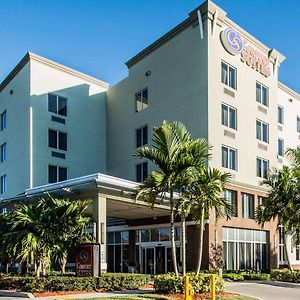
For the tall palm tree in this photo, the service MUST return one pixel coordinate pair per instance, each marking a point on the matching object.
(169, 154)
(282, 204)
(203, 195)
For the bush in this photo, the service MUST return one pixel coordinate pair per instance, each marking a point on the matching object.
(285, 275)
(233, 276)
(170, 284)
(109, 281)
(254, 276)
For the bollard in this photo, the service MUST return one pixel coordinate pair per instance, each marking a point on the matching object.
(187, 288)
(212, 287)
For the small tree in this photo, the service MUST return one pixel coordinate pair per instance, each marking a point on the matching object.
(282, 204)
(203, 196)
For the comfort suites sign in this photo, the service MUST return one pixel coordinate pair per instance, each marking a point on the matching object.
(236, 45)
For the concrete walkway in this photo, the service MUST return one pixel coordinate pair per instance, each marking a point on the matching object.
(266, 290)
(9, 295)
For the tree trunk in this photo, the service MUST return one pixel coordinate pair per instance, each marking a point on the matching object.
(62, 262)
(287, 254)
(201, 228)
(172, 227)
(38, 269)
(6, 267)
(183, 239)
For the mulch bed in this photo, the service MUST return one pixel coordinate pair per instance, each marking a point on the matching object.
(201, 296)
(62, 293)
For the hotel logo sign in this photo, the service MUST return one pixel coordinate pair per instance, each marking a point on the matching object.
(234, 44)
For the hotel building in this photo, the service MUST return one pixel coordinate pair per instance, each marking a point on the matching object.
(59, 126)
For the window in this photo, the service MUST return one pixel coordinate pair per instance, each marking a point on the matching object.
(280, 147)
(228, 116)
(3, 184)
(229, 158)
(4, 210)
(262, 167)
(141, 171)
(228, 75)
(231, 197)
(3, 120)
(262, 94)
(142, 136)
(282, 254)
(57, 105)
(298, 252)
(261, 200)
(3, 153)
(262, 131)
(56, 173)
(57, 140)
(280, 114)
(245, 249)
(298, 124)
(247, 206)
(141, 100)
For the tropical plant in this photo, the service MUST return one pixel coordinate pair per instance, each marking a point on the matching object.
(173, 152)
(203, 195)
(44, 229)
(68, 226)
(282, 204)
(5, 253)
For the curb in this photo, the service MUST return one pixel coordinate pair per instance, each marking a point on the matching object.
(6, 293)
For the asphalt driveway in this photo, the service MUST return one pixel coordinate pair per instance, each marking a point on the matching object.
(266, 290)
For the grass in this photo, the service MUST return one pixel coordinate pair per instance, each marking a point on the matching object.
(159, 297)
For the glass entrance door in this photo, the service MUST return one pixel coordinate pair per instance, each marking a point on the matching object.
(148, 259)
(160, 259)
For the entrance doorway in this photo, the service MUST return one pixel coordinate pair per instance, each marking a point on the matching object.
(157, 259)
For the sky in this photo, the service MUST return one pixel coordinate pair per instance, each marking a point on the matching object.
(97, 37)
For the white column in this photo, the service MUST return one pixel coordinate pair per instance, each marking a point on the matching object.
(99, 215)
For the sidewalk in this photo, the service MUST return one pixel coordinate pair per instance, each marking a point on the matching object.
(8, 295)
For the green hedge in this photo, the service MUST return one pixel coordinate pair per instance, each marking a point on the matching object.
(169, 283)
(233, 276)
(109, 281)
(286, 275)
(254, 276)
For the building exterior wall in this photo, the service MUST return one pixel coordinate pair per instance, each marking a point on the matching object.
(85, 123)
(177, 89)
(14, 98)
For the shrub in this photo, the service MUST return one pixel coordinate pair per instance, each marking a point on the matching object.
(285, 275)
(254, 276)
(169, 283)
(233, 276)
(109, 281)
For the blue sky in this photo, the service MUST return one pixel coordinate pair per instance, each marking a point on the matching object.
(98, 36)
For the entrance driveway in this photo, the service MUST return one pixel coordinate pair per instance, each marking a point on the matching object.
(266, 290)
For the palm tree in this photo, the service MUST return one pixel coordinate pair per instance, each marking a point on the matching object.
(203, 195)
(5, 255)
(29, 235)
(68, 225)
(282, 204)
(173, 152)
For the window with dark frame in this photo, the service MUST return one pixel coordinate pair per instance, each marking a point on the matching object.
(280, 147)
(3, 184)
(142, 136)
(57, 173)
(280, 114)
(141, 100)
(57, 140)
(3, 152)
(248, 206)
(3, 121)
(57, 104)
(229, 158)
(141, 171)
(231, 197)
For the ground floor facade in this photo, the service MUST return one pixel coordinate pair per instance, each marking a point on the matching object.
(134, 238)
